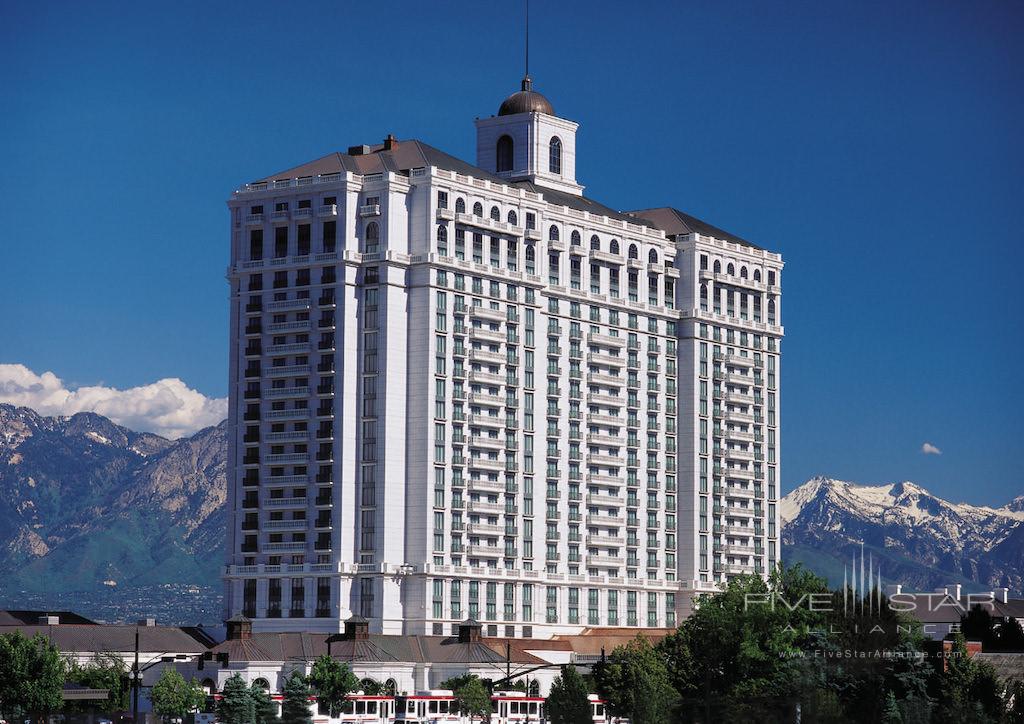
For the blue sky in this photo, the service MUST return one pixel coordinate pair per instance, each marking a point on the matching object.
(876, 145)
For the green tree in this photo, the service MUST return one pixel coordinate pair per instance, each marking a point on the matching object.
(32, 675)
(567, 701)
(471, 695)
(105, 671)
(968, 690)
(331, 680)
(295, 708)
(236, 705)
(264, 708)
(891, 714)
(635, 683)
(173, 697)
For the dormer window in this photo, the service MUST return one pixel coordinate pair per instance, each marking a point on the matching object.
(503, 162)
(555, 155)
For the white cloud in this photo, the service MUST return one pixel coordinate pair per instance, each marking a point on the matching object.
(929, 449)
(167, 407)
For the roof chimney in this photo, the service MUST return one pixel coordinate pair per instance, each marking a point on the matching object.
(357, 628)
(47, 620)
(390, 142)
(954, 590)
(358, 150)
(894, 589)
(148, 622)
(1002, 595)
(239, 628)
(469, 632)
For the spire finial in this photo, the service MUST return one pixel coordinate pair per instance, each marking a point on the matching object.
(527, 76)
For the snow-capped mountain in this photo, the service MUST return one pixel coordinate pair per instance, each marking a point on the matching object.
(919, 539)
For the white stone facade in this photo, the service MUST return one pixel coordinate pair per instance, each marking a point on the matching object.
(468, 400)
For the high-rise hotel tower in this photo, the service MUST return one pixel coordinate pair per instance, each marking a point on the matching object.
(467, 391)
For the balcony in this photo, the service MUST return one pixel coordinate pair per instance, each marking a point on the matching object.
(283, 392)
(487, 486)
(286, 414)
(369, 210)
(285, 525)
(288, 371)
(601, 479)
(605, 460)
(487, 442)
(288, 305)
(605, 560)
(599, 539)
(479, 398)
(483, 355)
(493, 421)
(487, 378)
(740, 379)
(485, 551)
(603, 400)
(606, 360)
(599, 378)
(285, 502)
(614, 501)
(478, 463)
(287, 458)
(735, 453)
(254, 219)
(445, 214)
(282, 547)
(739, 398)
(481, 312)
(602, 439)
(294, 436)
(599, 418)
(485, 529)
(295, 347)
(489, 335)
(606, 519)
(605, 340)
(327, 210)
(299, 326)
(483, 506)
(738, 473)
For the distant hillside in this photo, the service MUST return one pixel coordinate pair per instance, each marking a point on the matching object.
(86, 505)
(920, 540)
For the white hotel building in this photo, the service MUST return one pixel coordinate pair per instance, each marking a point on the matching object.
(467, 391)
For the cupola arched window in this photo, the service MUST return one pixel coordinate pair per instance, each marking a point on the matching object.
(442, 240)
(503, 162)
(743, 272)
(730, 270)
(613, 246)
(460, 205)
(652, 257)
(576, 238)
(553, 233)
(478, 209)
(595, 243)
(512, 218)
(718, 267)
(496, 213)
(555, 155)
(757, 275)
(372, 240)
(633, 253)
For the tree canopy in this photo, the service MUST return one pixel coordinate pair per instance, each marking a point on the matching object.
(32, 675)
(567, 701)
(331, 680)
(173, 697)
(295, 708)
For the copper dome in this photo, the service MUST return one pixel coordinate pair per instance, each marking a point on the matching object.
(526, 101)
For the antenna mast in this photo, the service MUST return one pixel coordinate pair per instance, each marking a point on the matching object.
(527, 38)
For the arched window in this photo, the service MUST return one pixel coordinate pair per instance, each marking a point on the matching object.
(613, 246)
(496, 213)
(503, 162)
(478, 209)
(209, 687)
(704, 297)
(652, 256)
(262, 683)
(442, 240)
(633, 253)
(460, 205)
(555, 155)
(531, 254)
(771, 311)
(372, 240)
(743, 272)
(757, 275)
(553, 233)
(718, 267)
(576, 238)
(595, 243)
(730, 270)
(513, 219)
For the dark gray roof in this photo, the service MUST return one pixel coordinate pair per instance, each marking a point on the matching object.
(22, 617)
(1008, 666)
(1013, 608)
(119, 637)
(937, 608)
(267, 646)
(404, 156)
(673, 221)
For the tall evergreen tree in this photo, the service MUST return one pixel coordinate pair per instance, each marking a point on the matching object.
(295, 708)
(264, 708)
(567, 701)
(236, 705)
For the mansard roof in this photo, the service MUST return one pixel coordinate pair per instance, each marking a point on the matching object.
(403, 156)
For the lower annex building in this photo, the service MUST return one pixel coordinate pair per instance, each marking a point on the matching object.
(464, 391)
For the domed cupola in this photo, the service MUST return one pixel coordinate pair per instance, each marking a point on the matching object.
(526, 100)
(526, 141)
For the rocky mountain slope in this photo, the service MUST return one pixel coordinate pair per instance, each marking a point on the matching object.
(86, 504)
(920, 540)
